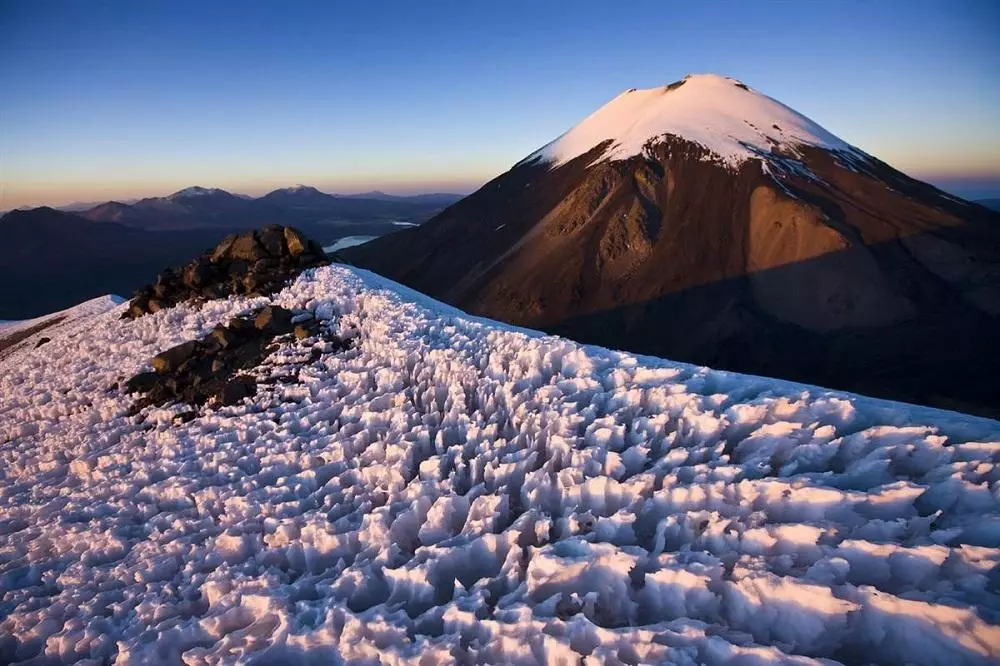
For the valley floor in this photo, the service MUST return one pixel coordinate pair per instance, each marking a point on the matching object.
(452, 490)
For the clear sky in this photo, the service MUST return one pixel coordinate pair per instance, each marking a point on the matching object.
(119, 99)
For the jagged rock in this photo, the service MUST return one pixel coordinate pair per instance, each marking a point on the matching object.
(221, 250)
(224, 336)
(199, 371)
(142, 382)
(247, 248)
(174, 357)
(234, 391)
(275, 319)
(198, 272)
(294, 241)
(253, 263)
(272, 239)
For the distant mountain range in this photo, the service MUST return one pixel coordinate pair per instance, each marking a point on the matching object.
(992, 204)
(704, 221)
(199, 207)
(52, 259)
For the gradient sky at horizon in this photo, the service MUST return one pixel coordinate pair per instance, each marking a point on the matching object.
(104, 100)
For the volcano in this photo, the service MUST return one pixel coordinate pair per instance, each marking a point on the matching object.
(707, 222)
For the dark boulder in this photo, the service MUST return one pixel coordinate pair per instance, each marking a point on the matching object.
(198, 272)
(205, 370)
(142, 382)
(295, 241)
(254, 263)
(236, 390)
(272, 239)
(222, 250)
(174, 357)
(274, 319)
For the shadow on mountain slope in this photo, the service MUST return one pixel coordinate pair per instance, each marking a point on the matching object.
(923, 359)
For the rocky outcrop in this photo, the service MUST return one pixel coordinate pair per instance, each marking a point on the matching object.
(254, 263)
(215, 369)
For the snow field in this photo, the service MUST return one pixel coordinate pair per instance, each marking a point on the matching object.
(453, 490)
(733, 122)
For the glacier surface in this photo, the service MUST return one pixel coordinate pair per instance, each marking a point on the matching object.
(453, 490)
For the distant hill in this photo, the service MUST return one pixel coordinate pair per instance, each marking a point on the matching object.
(992, 204)
(200, 207)
(441, 198)
(52, 259)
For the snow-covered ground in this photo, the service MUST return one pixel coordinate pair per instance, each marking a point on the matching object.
(452, 490)
(732, 121)
(14, 333)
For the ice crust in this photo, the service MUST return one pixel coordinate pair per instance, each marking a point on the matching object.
(453, 490)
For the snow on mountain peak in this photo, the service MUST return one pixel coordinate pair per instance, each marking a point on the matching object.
(195, 191)
(722, 114)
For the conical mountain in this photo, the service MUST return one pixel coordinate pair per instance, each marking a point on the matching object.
(707, 222)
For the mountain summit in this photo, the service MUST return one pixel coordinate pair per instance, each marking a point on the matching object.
(707, 222)
(724, 115)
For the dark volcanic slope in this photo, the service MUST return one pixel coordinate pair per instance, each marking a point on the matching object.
(816, 265)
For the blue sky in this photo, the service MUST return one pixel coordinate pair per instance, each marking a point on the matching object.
(120, 99)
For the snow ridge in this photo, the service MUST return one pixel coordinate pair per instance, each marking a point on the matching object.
(733, 121)
(452, 490)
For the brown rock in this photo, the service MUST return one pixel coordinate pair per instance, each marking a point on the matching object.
(224, 336)
(174, 357)
(272, 239)
(318, 256)
(295, 241)
(251, 263)
(198, 272)
(247, 248)
(142, 382)
(222, 249)
(236, 390)
(274, 319)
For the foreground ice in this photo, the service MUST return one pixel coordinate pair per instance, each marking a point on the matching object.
(457, 491)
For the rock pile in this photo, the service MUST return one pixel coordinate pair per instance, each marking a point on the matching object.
(255, 263)
(211, 369)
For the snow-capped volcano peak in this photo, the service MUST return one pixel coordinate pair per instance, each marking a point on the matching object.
(196, 191)
(730, 119)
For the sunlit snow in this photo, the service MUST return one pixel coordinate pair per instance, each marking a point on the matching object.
(456, 491)
(733, 122)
